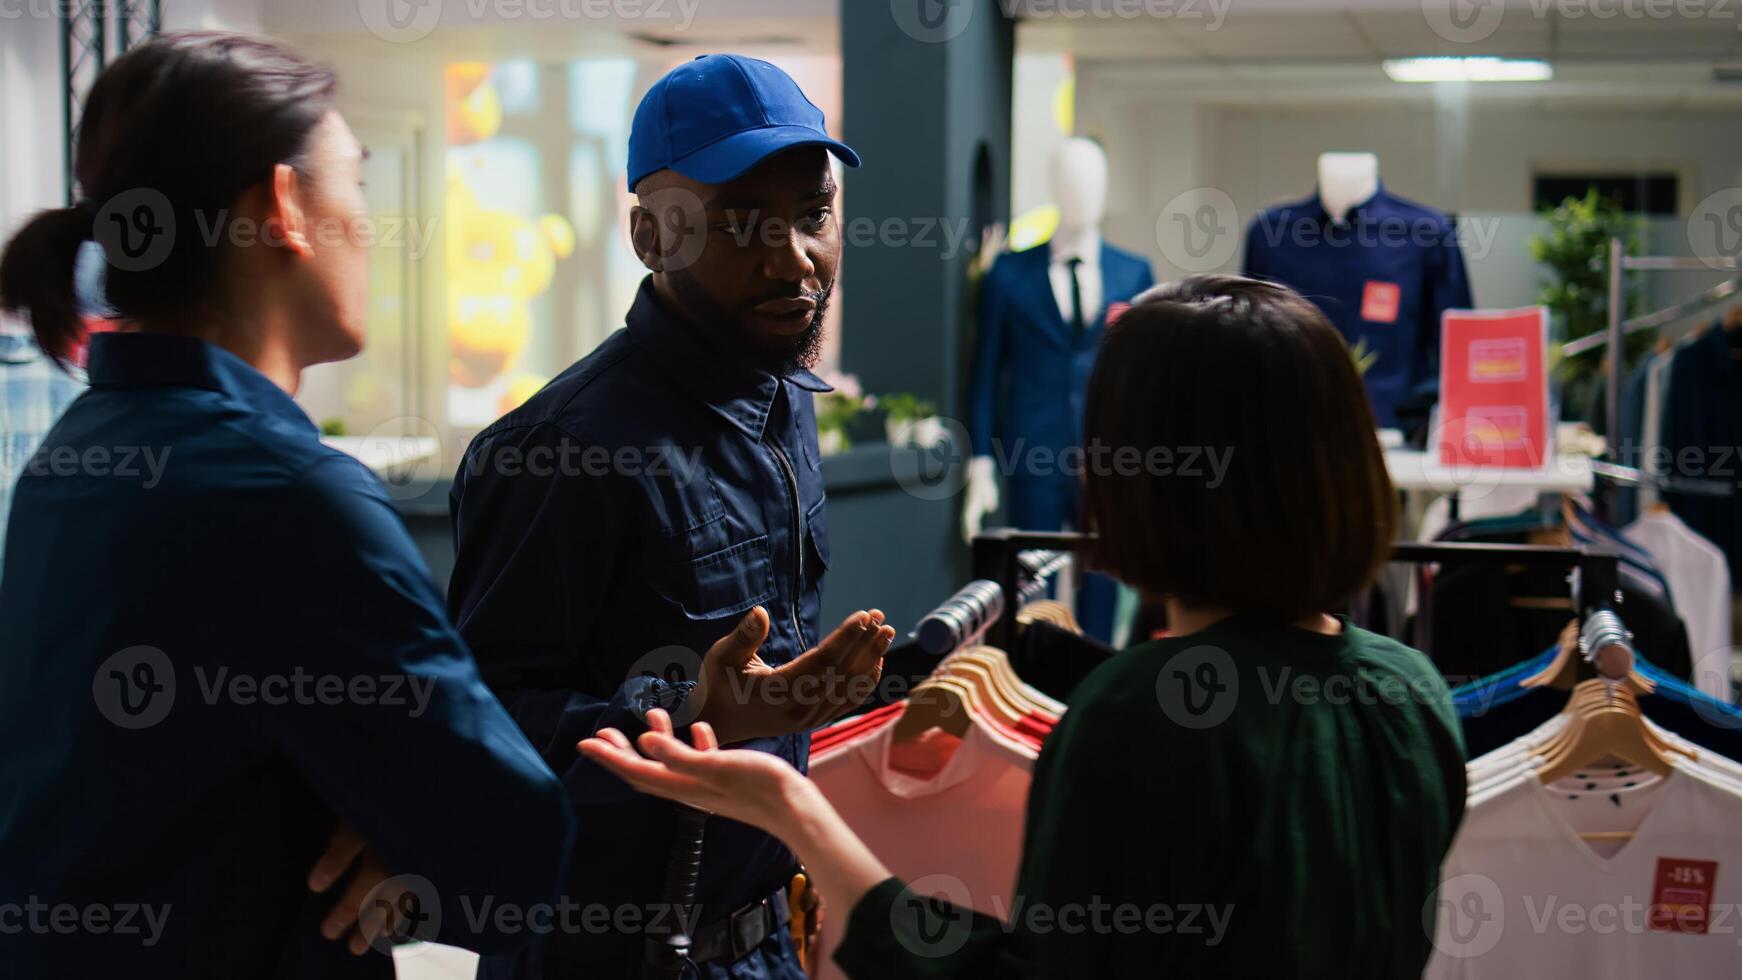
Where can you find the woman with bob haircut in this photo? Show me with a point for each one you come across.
(1270, 790)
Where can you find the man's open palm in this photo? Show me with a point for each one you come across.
(742, 697)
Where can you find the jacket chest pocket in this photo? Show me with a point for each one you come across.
(817, 533)
(721, 583)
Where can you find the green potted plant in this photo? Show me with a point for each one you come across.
(1575, 250)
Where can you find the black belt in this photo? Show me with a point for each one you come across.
(739, 933)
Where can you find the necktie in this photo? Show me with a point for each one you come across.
(1077, 324)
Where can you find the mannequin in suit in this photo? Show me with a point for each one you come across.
(1042, 314)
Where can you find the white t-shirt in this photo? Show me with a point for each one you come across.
(1699, 584)
(957, 833)
(1522, 895)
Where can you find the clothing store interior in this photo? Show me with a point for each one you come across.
(857, 489)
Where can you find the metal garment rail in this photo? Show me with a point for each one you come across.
(1620, 263)
(998, 556)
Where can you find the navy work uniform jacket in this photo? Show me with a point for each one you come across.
(609, 531)
(215, 634)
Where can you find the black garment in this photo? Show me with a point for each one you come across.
(1475, 630)
(1053, 660)
(1702, 424)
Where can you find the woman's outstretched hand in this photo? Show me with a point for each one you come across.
(751, 787)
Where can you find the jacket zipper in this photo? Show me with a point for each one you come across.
(797, 537)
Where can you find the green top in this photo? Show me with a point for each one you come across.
(1252, 800)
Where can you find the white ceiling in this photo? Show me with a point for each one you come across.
(1319, 51)
(1370, 30)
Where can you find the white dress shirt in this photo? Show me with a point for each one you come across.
(1086, 246)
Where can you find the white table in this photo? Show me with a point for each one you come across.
(1413, 469)
(391, 457)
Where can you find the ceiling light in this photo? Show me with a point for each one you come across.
(1468, 70)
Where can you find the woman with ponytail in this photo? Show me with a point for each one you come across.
(221, 650)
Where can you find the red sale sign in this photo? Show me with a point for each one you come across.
(1494, 388)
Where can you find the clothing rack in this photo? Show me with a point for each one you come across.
(1620, 263)
(1022, 562)
(1005, 556)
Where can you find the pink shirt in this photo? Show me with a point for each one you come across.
(944, 814)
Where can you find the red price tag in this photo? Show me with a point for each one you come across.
(1681, 896)
(1380, 301)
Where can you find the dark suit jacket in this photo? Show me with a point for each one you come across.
(1030, 374)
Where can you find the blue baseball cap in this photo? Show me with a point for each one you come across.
(721, 114)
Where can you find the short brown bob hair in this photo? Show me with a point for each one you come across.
(1248, 378)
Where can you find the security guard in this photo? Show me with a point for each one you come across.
(662, 493)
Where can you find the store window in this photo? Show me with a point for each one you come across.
(497, 190)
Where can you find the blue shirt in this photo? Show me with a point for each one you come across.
(33, 393)
(1383, 277)
(1495, 710)
(218, 635)
(609, 531)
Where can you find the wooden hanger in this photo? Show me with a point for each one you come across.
(1562, 673)
(1051, 611)
(1009, 684)
(992, 699)
(1608, 726)
(936, 702)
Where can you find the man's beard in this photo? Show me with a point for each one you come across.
(781, 356)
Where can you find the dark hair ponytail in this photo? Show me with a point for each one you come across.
(173, 132)
(36, 277)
